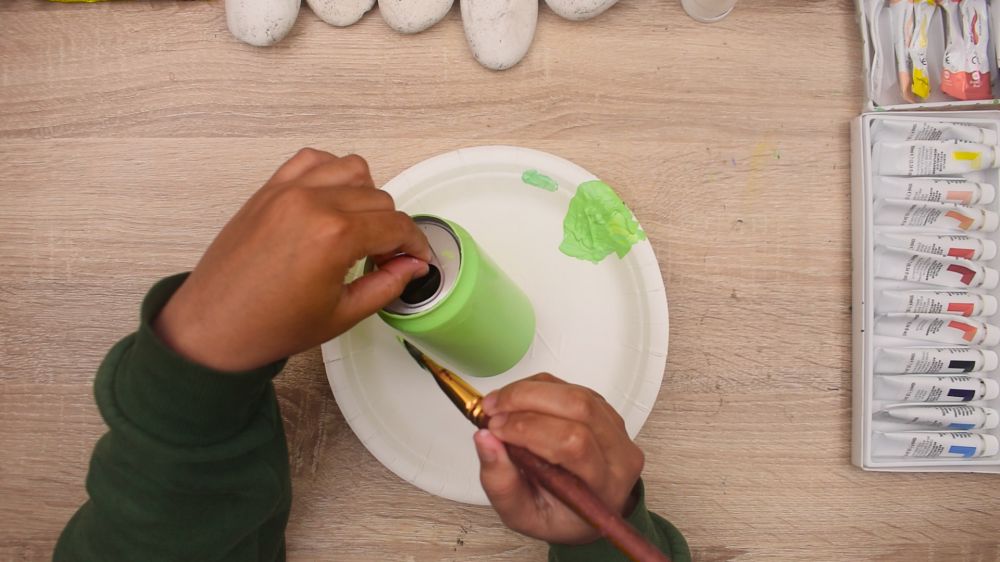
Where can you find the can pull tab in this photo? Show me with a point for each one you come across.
(422, 289)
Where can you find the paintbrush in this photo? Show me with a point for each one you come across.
(563, 484)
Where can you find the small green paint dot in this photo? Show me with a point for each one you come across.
(539, 180)
(777, 155)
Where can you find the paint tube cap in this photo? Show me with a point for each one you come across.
(991, 445)
(990, 360)
(992, 389)
(992, 338)
(989, 136)
(989, 193)
(990, 305)
(992, 418)
(989, 250)
(991, 278)
(991, 221)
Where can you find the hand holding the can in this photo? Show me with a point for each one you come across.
(272, 282)
(565, 424)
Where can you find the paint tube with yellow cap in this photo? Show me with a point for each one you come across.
(943, 216)
(923, 14)
(933, 158)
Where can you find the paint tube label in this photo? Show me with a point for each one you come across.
(929, 388)
(941, 328)
(951, 246)
(899, 130)
(956, 418)
(932, 270)
(935, 190)
(937, 360)
(920, 444)
(966, 71)
(943, 216)
(923, 13)
(932, 158)
(959, 303)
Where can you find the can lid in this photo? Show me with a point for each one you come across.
(992, 418)
(991, 221)
(992, 389)
(990, 305)
(992, 336)
(426, 292)
(989, 250)
(991, 445)
(990, 360)
(991, 278)
(989, 193)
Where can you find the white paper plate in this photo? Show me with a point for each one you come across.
(604, 326)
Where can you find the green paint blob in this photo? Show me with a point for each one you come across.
(539, 180)
(598, 224)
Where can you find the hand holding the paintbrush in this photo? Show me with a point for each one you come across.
(272, 282)
(565, 424)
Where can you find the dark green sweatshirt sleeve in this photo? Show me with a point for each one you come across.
(658, 530)
(194, 466)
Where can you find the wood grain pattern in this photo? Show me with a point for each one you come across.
(130, 132)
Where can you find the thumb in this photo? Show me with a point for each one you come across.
(509, 493)
(367, 295)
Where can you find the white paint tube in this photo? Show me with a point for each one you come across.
(959, 303)
(937, 360)
(948, 245)
(933, 158)
(935, 190)
(939, 328)
(930, 388)
(934, 444)
(943, 216)
(901, 25)
(897, 130)
(957, 418)
(932, 270)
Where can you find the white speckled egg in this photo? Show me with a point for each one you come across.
(340, 13)
(413, 16)
(261, 22)
(579, 9)
(499, 31)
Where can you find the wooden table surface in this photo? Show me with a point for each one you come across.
(130, 132)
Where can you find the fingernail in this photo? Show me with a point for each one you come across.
(486, 454)
(497, 421)
(490, 402)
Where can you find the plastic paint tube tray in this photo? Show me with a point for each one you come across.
(867, 295)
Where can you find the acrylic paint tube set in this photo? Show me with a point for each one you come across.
(933, 396)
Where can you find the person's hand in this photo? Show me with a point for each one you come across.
(272, 282)
(565, 424)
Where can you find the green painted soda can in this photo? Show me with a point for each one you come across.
(465, 311)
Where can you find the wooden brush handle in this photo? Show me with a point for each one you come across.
(575, 493)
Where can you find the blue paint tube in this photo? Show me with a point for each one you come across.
(934, 444)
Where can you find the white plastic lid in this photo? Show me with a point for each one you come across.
(991, 221)
(990, 360)
(991, 445)
(989, 305)
(991, 278)
(992, 418)
(992, 338)
(989, 193)
(989, 250)
(989, 136)
(992, 389)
